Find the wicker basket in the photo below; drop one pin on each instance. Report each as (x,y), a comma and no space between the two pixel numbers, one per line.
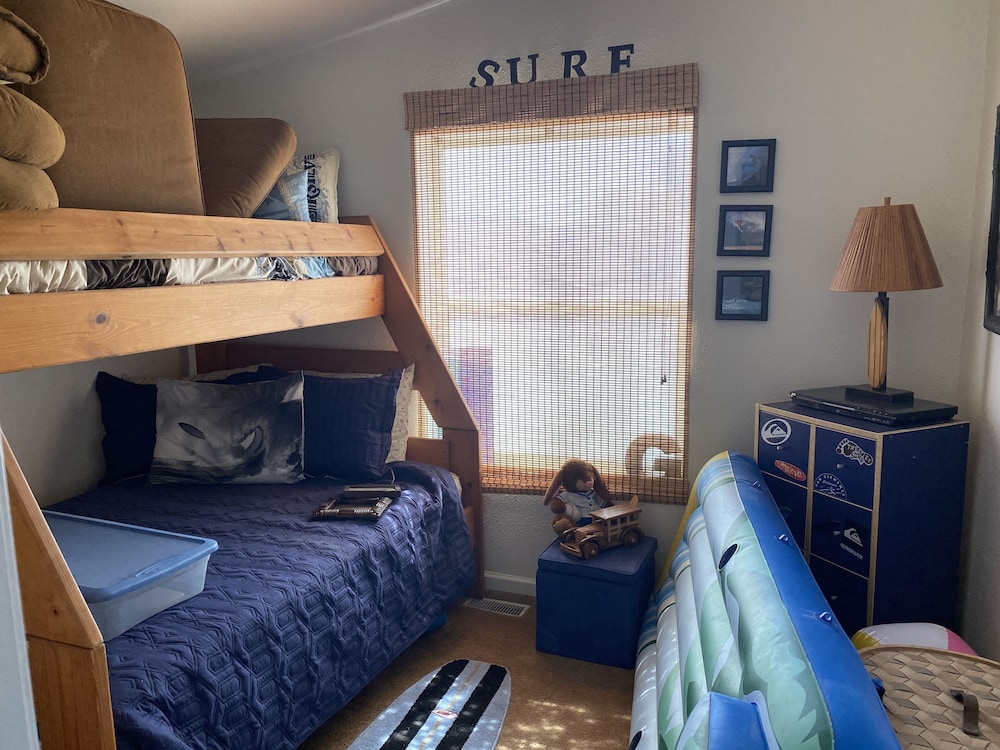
(933,696)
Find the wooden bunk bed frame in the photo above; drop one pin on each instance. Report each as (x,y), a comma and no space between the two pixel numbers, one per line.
(66,652)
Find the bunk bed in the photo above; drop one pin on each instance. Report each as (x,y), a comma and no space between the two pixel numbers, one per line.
(68,657)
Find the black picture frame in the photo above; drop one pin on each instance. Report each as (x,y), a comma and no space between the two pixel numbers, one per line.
(742,295)
(745,230)
(748,166)
(991,312)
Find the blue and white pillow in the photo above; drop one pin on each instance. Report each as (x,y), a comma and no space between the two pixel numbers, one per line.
(288,199)
(323,170)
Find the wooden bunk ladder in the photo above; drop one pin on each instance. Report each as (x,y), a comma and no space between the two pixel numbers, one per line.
(69,672)
(405,324)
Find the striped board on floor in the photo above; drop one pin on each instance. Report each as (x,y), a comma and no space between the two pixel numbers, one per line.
(458,706)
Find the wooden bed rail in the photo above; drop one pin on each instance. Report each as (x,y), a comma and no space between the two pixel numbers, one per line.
(90,234)
(69,672)
(41,330)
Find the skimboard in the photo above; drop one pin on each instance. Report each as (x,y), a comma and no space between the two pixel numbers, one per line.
(460,706)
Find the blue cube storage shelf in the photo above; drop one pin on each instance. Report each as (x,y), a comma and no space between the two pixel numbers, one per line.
(877,510)
(593,609)
(127,573)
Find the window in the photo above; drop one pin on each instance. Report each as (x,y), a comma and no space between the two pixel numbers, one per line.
(554,269)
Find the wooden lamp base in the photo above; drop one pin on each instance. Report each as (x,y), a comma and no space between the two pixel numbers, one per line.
(878,359)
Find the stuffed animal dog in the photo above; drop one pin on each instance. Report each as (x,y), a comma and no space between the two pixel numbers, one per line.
(575,490)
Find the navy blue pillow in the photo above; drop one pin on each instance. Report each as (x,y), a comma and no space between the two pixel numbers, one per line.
(348,426)
(128,413)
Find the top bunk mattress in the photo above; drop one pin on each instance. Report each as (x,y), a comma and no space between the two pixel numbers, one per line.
(34,276)
(296,615)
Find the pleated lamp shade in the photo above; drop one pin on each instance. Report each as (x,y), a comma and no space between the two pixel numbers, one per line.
(886,251)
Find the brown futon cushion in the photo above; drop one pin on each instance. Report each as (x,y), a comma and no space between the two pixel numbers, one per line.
(24,58)
(241,159)
(29,134)
(117,86)
(24,186)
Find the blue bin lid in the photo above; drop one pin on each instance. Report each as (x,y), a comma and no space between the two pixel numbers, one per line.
(109,559)
(615,564)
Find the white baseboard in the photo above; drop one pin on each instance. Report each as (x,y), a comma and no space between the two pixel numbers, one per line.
(510,584)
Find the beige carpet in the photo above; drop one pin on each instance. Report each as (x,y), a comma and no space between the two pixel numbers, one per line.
(556,702)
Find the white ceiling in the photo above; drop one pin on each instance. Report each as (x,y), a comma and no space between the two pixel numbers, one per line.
(224,36)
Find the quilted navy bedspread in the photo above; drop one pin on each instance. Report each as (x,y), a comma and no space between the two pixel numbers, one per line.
(296,616)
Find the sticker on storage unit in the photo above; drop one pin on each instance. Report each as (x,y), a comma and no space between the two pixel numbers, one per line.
(775,431)
(854,543)
(854,452)
(829,484)
(852,552)
(853,535)
(791,470)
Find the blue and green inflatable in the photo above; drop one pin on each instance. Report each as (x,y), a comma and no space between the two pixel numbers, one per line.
(739,647)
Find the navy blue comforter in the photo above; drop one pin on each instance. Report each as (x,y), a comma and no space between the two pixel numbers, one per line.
(296,616)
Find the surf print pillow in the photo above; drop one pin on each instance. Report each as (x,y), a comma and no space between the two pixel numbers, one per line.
(128,413)
(322,170)
(210,433)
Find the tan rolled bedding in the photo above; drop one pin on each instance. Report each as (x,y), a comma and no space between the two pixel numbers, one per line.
(28,134)
(24,186)
(24,57)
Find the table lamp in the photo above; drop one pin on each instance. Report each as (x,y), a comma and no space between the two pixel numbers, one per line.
(886,251)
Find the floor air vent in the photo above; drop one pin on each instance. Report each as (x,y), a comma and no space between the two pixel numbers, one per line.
(497,606)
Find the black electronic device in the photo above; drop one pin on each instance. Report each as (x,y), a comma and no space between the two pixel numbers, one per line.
(837,399)
(358,491)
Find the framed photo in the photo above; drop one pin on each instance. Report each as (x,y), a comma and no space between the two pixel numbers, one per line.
(748,166)
(742,295)
(745,230)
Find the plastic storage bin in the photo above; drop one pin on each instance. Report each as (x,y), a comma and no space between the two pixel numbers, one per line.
(593,609)
(128,573)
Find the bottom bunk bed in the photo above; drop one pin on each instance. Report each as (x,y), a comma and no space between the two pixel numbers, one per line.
(296,615)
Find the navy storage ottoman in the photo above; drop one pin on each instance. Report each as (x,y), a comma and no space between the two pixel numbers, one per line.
(593,609)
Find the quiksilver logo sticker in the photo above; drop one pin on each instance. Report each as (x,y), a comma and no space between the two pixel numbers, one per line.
(775,431)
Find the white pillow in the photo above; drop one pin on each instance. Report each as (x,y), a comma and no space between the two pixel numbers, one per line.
(323,169)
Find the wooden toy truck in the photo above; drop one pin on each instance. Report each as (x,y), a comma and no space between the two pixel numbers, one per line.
(610,527)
